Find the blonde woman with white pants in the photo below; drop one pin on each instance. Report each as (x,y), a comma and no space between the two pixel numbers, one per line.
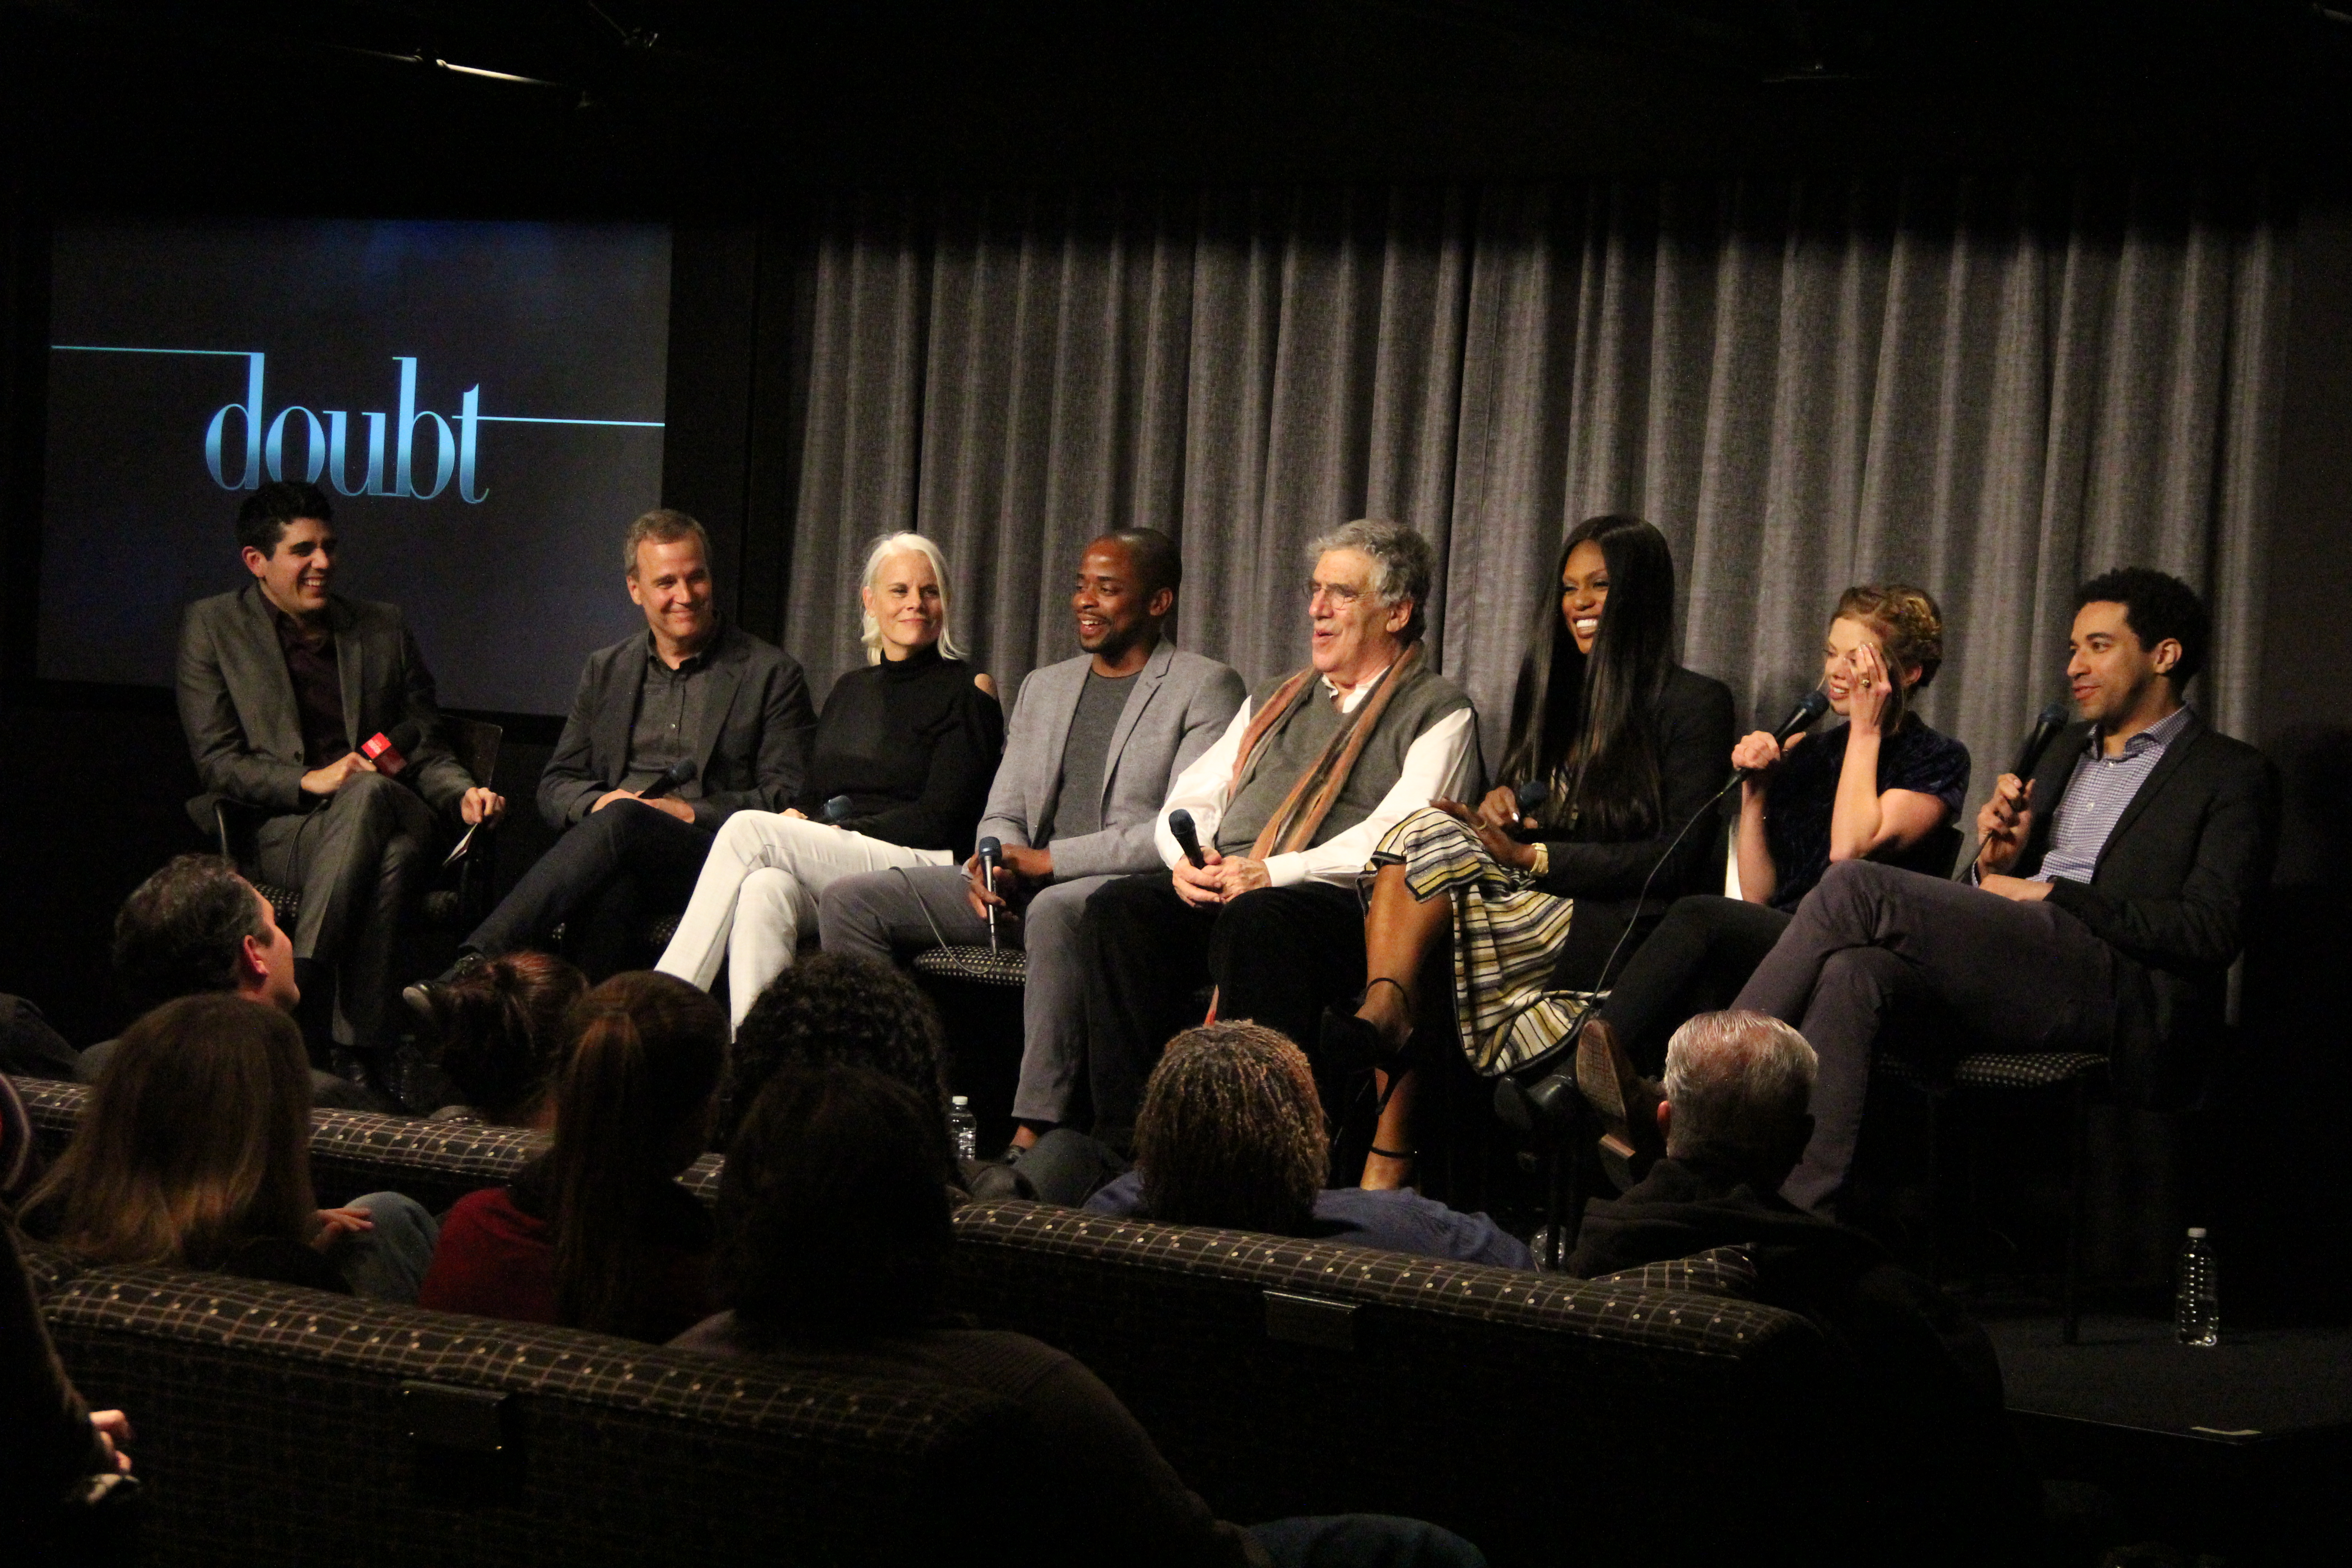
(905,751)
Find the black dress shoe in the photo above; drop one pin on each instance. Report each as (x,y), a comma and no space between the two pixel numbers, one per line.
(421,997)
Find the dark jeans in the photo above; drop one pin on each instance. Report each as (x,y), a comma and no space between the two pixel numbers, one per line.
(605,880)
(2012,976)
(1695,962)
(1276,955)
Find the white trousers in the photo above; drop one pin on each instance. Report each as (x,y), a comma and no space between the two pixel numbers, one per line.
(759,891)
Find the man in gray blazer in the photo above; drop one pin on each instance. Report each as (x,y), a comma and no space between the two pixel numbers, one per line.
(1094,744)
(285,688)
(690,693)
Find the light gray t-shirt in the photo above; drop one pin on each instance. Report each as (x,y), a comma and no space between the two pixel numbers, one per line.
(1077,804)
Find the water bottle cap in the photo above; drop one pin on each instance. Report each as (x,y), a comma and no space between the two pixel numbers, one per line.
(960,1100)
(2196,1233)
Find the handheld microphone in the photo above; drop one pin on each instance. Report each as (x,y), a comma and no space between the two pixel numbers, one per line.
(1179,828)
(990,851)
(2046,725)
(1531,794)
(835,810)
(681,771)
(390,752)
(1815,703)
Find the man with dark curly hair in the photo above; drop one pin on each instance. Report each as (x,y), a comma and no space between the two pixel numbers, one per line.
(1232,1134)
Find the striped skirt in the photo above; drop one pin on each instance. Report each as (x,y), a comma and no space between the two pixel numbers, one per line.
(1506,938)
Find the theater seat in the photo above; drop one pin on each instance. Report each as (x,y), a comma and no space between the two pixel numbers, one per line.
(282,1425)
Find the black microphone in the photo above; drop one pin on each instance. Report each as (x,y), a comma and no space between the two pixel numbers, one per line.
(1179,828)
(1531,794)
(681,771)
(990,852)
(2046,725)
(835,810)
(390,752)
(1816,702)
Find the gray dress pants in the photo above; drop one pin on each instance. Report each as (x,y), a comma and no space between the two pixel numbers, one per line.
(880,914)
(362,861)
(1871,938)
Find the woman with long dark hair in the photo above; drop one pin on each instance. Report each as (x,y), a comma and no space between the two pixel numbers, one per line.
(1628,746)
(597,1233)
(195,1153)
(501,1028)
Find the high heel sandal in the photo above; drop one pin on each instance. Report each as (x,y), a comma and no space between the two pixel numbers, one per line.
(1351,1042)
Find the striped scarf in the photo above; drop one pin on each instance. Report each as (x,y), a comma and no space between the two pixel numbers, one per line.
(1292,827)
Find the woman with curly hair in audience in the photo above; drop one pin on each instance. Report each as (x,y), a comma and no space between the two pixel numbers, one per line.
(598,1233)
(835,1218)
(193,1151)
(501,1028)
(1627,746)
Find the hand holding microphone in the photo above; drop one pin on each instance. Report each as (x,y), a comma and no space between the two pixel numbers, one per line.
(988,855)
(2007,819)
(678,774)
(1762,749)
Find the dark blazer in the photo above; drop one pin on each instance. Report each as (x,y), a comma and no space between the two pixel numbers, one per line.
(1694,715)
(237,702)
(2171,894)
(753,735)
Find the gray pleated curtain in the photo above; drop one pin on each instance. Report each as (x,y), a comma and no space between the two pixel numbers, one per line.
(1991,389)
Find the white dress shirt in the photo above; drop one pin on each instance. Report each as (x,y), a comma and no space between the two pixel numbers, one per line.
(1441,764)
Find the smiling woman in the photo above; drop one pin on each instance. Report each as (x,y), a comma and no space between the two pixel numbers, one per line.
(905,751)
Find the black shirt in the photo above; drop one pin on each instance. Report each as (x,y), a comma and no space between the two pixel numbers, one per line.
(312,665)
(669,705)
(1802,794)
(913,744)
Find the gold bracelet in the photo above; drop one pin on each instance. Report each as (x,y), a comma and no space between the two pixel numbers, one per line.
(1543,858)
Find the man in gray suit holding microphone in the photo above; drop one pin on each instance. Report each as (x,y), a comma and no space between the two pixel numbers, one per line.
(1094,744)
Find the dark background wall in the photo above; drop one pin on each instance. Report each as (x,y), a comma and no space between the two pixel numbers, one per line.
(728,122)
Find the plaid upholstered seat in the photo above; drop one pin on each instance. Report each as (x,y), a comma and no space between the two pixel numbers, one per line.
(981,965)
(1542,1416)
(280,1426)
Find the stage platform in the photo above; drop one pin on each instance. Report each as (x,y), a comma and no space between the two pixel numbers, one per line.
(2240,1454)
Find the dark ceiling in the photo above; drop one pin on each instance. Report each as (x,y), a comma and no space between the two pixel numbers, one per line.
(667,104)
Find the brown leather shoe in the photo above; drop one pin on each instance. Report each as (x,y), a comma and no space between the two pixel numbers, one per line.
(1625,1101)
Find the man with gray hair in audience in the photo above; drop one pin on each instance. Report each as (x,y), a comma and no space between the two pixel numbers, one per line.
(1287,808)
(1918,1431)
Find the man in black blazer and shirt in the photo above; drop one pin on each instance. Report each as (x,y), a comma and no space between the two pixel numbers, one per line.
(2109,897)
(282,685)
(687,689)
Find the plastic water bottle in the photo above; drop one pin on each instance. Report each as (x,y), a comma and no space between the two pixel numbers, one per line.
(2197,1309)
(967,1131)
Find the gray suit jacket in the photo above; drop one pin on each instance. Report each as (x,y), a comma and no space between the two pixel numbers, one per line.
(237,702)
(751,746)
(1180,704)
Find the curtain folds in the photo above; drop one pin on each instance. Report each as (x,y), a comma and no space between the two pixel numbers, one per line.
(1991,388)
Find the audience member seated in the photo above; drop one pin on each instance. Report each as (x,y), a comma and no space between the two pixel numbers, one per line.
(196,927)
(501,1025)
(1629,747)
(1095,745)
(1287,805)
(1881,786)
(905,751)
(1928,1424)
(283,685)
(1232,1134)
(692,692)
(193,1152)
(834,1211)
(597,1233)
(854,1012)
(60,1459)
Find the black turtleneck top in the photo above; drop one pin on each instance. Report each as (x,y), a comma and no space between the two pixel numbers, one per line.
(914,745)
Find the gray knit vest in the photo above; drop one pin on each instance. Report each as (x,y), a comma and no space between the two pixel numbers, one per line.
(1290,751)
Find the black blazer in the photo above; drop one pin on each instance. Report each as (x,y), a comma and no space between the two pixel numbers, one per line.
(2172,893)
(751,746)
(1694,715)
(237,702)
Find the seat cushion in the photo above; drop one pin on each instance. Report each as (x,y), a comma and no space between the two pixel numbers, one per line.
(980,965)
